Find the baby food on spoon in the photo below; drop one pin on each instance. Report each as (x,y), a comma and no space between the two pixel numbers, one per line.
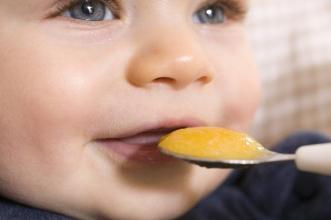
(211,143)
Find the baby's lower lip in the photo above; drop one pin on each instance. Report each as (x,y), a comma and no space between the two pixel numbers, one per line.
(141,148)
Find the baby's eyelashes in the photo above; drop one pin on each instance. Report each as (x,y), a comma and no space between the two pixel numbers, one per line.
(219,11)
(88,10)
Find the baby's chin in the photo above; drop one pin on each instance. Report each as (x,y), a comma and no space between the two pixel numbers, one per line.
(168,197)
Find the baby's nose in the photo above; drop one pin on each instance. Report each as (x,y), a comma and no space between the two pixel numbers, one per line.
(175,61)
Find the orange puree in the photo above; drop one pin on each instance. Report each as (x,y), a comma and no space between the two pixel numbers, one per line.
(211,143)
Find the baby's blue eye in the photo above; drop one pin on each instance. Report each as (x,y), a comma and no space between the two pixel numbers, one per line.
(89,10)
(213,14)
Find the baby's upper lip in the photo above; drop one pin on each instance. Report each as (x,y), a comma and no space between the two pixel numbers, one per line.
(165,126)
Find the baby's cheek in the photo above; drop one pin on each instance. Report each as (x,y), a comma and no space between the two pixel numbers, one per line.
(42,132)
(236,79)
(43,114)
(239,91)
(243,102)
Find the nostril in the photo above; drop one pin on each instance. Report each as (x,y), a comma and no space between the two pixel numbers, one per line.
(166,80)
(204,79)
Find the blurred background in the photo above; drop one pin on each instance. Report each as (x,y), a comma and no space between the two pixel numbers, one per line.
(292,46)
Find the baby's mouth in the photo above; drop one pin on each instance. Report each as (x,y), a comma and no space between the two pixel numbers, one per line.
(140,146)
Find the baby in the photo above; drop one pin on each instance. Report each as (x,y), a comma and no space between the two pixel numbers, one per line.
(87,88)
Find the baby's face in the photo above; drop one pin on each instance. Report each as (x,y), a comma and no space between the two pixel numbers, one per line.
(88,87)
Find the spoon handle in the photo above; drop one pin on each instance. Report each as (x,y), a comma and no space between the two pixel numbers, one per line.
(314,158)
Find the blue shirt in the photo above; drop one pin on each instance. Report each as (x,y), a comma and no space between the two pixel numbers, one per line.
(268,192)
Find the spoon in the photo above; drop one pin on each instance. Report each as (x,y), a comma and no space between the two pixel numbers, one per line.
(214,147)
